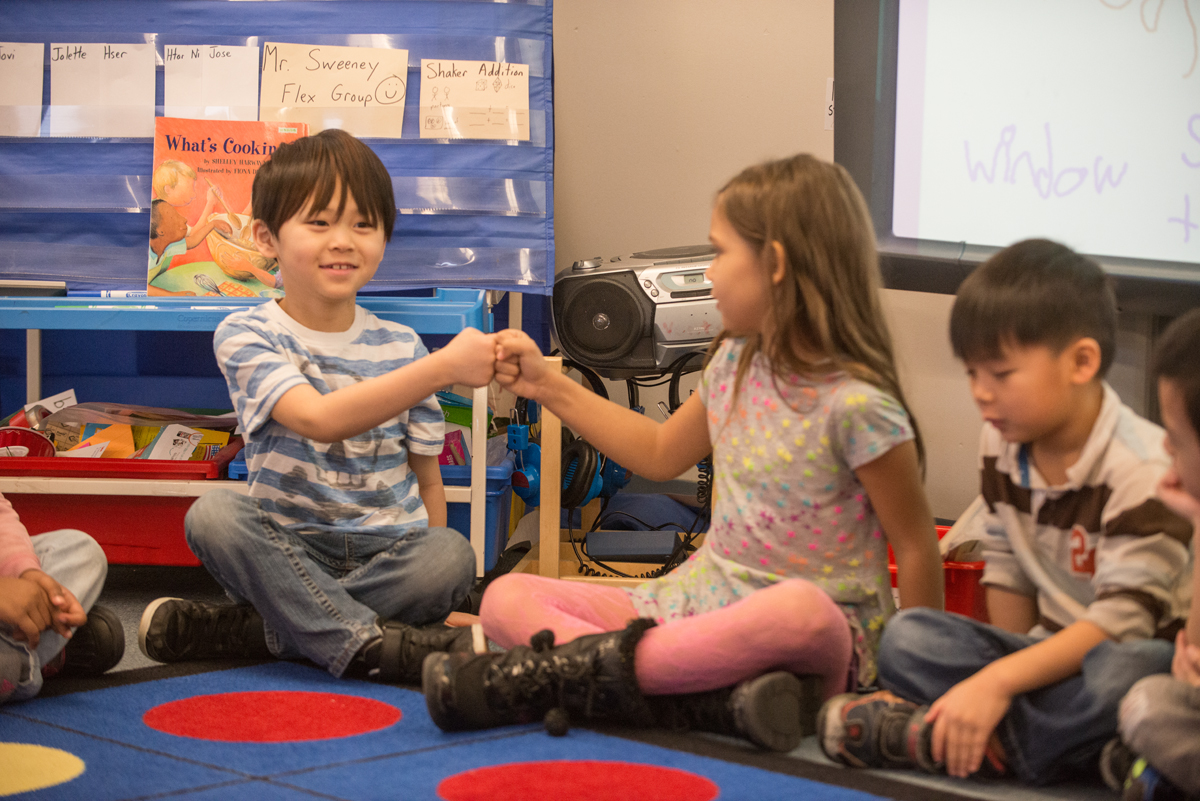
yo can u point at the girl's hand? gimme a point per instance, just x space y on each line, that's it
520 366
963 721
67 612
1176 498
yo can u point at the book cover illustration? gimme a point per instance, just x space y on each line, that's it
202 174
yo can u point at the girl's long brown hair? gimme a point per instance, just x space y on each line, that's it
828 305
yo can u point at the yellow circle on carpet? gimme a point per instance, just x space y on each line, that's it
25 767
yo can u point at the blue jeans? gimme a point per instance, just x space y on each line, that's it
74 560
322 596
1049 734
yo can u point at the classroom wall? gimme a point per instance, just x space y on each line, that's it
658 103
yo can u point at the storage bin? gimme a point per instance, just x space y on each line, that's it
964 594
499 502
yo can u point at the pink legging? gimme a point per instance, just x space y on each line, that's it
792 625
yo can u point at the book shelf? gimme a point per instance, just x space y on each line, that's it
448 311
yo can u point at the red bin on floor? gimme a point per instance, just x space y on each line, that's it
964 594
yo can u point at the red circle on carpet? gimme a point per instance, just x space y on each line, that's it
271 717
577 779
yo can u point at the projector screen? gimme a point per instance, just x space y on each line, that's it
972 124
1077 120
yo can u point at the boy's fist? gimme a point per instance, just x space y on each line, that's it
472 357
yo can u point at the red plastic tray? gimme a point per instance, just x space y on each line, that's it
66 467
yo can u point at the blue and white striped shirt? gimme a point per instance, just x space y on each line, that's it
363 482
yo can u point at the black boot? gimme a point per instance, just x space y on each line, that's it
396 657
591 678
774 711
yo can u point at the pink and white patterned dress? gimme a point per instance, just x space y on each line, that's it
786 501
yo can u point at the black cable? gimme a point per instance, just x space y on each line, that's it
678 370
631 388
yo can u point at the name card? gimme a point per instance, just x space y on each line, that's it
101 89
210 82
474 100
21 70
358 89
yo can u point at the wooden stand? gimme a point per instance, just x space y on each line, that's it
545 558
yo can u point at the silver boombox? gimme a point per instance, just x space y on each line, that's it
635 315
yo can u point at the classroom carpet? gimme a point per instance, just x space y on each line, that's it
290 731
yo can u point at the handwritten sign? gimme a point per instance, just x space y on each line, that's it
101 89
210 82
21 88
358 89
474 100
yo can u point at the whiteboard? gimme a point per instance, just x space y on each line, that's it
1075 120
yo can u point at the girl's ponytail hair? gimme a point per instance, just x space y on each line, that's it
826 313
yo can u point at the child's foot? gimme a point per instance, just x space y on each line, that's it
1144 783
96 646
873 731
1115 761
397 656
175 630
774 711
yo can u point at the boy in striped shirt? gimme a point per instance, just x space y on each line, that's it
340 552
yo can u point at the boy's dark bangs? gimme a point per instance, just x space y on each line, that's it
979 327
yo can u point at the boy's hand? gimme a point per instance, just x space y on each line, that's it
1176 498
472 356
67 611
1185 666
520 366
25 608
963 721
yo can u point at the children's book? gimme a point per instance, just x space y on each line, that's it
202 173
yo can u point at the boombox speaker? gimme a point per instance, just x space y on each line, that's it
635 315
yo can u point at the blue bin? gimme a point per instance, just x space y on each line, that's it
499 504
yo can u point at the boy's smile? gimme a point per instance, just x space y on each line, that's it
325 258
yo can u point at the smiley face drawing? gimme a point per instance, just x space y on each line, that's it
390 91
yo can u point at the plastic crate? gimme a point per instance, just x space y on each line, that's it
499 502
964 594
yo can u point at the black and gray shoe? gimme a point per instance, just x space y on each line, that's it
175 630
397 656
96 646
774 711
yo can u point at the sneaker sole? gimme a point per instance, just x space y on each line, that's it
776 718
144 625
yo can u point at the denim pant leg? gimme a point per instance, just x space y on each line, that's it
77 562
306 610
1049 733
418 579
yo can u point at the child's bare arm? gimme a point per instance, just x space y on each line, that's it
965 717
349 411
1010 610
893 483
429 483
658 451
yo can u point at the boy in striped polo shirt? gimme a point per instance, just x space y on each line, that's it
1086 570
340 553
